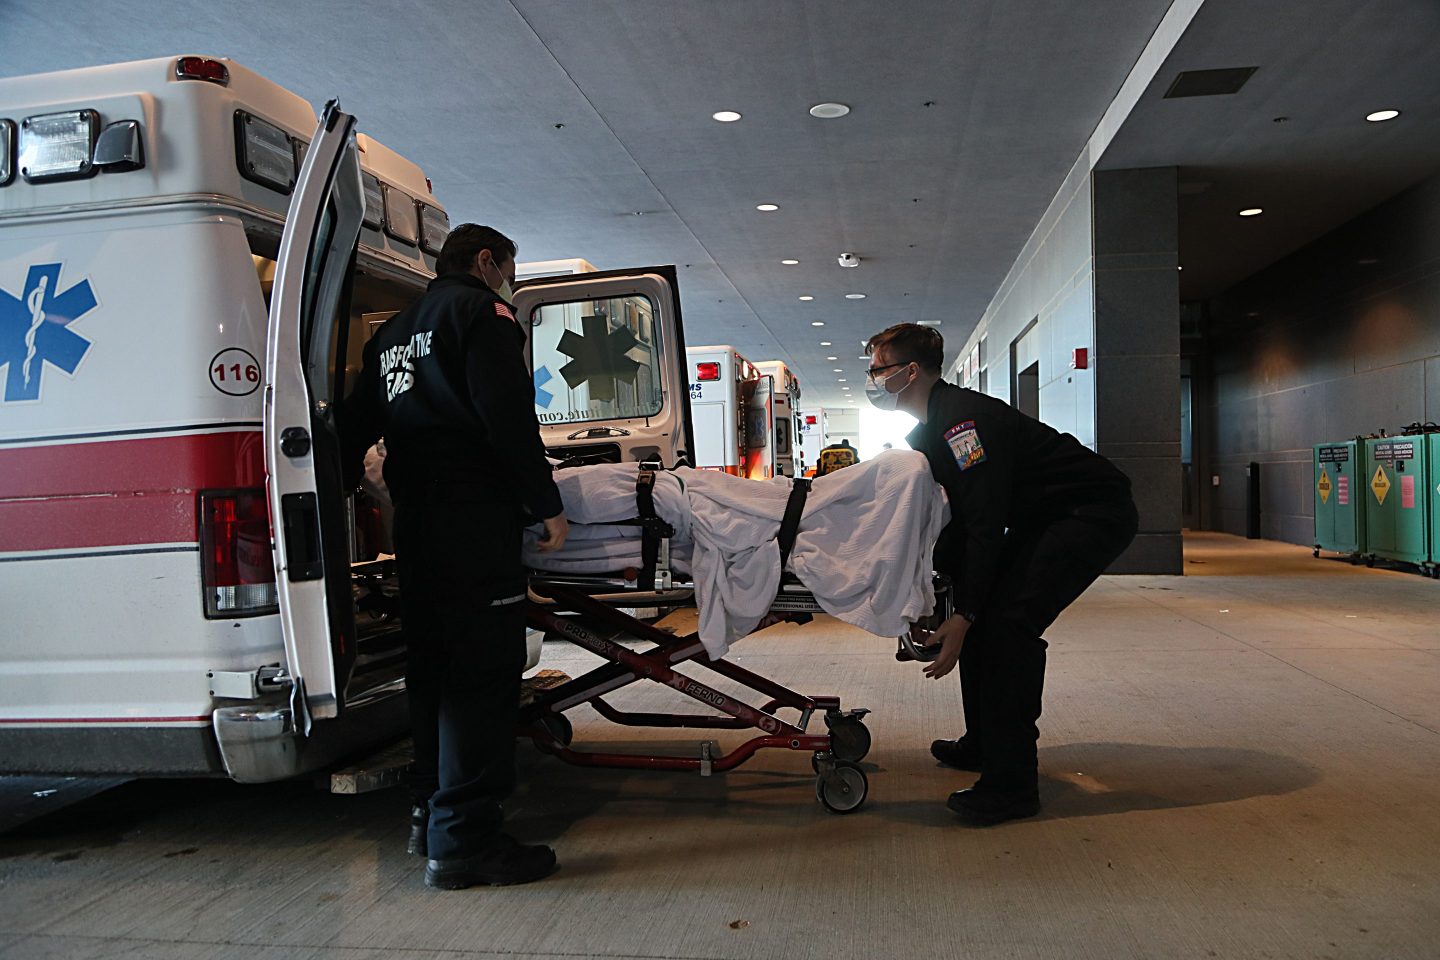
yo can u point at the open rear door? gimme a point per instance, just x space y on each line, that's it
307 505
608 354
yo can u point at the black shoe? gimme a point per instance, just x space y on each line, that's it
508 861
419 843
984 806
956 753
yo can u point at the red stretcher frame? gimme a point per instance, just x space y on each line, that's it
841 785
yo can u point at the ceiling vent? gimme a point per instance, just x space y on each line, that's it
1209 83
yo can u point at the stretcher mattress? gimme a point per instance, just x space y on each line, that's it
863 546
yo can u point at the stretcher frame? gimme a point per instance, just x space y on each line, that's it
574 609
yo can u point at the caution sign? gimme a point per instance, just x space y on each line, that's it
1323 487
1380 485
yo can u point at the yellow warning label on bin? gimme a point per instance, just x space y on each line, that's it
1323 487
1380 484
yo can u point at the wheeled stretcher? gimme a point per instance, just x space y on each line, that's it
591 611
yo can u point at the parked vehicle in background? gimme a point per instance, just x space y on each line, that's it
733 412
785 401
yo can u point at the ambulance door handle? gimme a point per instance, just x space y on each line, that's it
294 442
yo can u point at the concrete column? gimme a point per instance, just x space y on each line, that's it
1137 352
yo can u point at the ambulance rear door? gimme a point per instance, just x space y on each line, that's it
308 310
607 351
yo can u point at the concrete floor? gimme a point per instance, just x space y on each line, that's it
1239 763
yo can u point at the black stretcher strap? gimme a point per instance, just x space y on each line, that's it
790 523
652 527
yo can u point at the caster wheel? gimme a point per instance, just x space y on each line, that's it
1317 553
849 739
558 726
844 790
1369 561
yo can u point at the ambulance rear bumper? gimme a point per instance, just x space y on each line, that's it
260 743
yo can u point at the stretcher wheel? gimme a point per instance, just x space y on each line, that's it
1317 552
558 726
844 790
849 739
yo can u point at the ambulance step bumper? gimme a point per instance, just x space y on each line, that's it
259 742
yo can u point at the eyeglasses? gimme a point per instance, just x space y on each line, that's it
874 370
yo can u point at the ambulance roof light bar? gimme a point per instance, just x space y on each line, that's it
202 68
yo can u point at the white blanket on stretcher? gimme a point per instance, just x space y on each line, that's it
863 547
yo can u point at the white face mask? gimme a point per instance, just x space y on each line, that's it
503 289
878 396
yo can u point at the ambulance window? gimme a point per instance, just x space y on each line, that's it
372 301
596 360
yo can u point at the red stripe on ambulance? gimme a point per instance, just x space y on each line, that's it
119 492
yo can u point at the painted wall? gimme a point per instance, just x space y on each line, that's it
1050 285
1340 338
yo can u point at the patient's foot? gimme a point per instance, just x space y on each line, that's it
504 862
961 754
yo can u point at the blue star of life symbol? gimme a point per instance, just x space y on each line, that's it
543 398
35 330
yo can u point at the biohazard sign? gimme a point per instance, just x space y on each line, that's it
1323 487
1380 485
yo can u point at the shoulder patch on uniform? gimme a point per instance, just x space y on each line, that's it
503 311
964 441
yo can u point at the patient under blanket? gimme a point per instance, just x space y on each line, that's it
863 546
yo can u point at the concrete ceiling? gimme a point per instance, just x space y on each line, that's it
1323 66
966 117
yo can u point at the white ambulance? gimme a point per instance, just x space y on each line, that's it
189 269
814 435
785 401
730 403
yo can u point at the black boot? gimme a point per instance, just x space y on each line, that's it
961 754
419 843
504 862
984 806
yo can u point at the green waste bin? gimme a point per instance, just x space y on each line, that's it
1397 508
1433 498
1340 479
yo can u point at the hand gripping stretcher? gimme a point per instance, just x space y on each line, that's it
591 612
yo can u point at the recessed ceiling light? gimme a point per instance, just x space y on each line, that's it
767 207
1380 115
817 323
837 370
842 380
928 323
725 116
1179 267
854 296
829 111
807 298
789 263
1251 212
825 343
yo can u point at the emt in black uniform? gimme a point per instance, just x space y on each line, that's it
446 384
1035 517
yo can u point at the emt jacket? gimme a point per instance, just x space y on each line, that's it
445 383
1001 470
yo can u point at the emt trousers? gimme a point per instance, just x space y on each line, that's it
1044 567
457 556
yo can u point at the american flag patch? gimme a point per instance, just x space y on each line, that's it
503 311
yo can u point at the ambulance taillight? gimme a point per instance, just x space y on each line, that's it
237 570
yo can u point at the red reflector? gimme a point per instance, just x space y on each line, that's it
237 570
810 419
707 371
200 68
